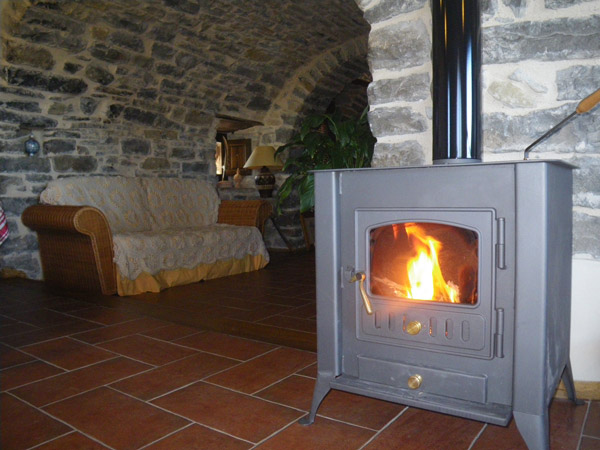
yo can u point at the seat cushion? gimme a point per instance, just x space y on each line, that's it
122 200
154 251
176 203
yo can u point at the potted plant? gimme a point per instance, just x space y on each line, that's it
325 141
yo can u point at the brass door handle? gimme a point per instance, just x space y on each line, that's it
361 277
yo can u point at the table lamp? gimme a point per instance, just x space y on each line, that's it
263 158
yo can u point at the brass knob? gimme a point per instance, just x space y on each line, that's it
414 381
414 327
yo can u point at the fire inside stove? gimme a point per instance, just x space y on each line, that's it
424 261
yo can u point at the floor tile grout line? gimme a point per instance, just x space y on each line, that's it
476 438
171 341
280 380
323 416
192 382
95 321
192 421
38 445
305 376
166 436
89 390
585 418
58 419
386 426
115 355
280 430
66 371
73 431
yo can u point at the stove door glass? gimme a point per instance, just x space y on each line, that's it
424 261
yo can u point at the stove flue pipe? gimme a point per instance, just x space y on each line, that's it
456 60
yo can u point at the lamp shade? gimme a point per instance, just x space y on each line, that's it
263 156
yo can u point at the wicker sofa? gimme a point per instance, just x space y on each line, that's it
132 235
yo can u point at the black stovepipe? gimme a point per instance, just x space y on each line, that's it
456 60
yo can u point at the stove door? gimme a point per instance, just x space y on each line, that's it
428 278
446 333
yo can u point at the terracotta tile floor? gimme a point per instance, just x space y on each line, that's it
165 371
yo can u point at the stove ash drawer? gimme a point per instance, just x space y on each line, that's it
423 379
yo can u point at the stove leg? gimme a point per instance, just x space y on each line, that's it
534 430
322 388
567 379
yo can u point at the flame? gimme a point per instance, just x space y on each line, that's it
424 271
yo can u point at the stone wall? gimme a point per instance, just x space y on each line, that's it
540 58
122 87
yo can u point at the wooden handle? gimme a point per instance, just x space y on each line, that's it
588 103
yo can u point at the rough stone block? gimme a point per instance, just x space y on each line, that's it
557 4
60 108
386 9
170 70
186 60
24 262
577 82
59 146
409 89
122 22
38 80
163 32
156 164
67 163
135 147
259 103
172 87
511 94
108 54
396 121
99 75
186 6
20 92
139 116
20 243
12 145
162 51
23 106
551 40
114 111
399 46
30 55
195 168
14 206
88 105
183 153
10 184
72 67
409 153
518 7
127 40
586 234
27 121
586 189
54 22
503 132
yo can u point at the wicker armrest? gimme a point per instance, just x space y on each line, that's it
245 212
76 247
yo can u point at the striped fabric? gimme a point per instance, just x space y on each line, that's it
3 226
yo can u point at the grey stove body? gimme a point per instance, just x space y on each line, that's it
497 350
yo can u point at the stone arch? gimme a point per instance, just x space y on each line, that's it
313 87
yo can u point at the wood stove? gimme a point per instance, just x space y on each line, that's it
447 287
485 335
